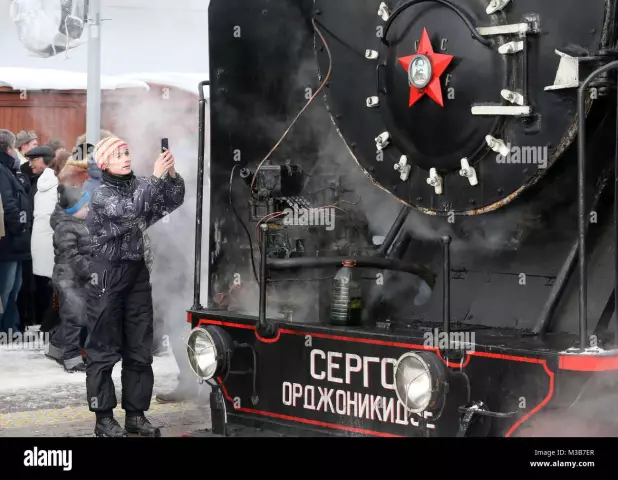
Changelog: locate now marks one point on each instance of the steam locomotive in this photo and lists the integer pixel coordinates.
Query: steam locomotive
(401, 194)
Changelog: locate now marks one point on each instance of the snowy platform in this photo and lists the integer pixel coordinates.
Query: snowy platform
(38, 398)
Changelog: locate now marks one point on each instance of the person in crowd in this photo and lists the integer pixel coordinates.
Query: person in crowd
(72, 248)
(2, 235)
(2, 232)
(15, 245)
(39, 158)
(24, 142)
(62, 157)
(51, 319)
(74, 173)
(42, 234)
(57, 145)
(120, 311)
(83, 151)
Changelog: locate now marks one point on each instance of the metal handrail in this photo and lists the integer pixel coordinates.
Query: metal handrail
(197, 274)
(581, 174)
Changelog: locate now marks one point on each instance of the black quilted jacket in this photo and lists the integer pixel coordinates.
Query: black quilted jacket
(72, 248)
(122, 209)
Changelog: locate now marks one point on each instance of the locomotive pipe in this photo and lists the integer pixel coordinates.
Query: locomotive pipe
(581, 170)
(401, 247)
(446, 294)
(394, 231)
(263, 325)
(197, 274)
(361, 262)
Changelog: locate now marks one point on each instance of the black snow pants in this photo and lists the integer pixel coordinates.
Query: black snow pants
(120, 326)
(67, 342)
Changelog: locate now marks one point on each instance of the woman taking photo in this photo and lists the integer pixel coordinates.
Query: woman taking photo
(120, 312)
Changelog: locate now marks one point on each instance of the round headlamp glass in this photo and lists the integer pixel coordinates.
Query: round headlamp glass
(202, 353)
(413, 382)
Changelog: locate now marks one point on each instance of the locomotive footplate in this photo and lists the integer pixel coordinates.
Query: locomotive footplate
(322, 380)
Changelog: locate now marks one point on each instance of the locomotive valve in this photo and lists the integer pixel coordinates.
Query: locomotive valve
(435, 181)
(511, 47)
(468, 171)
(497, 145)
(382, 141)
(403, 167)
(384, 11)
(512, 97)
(373, 101)
(496, 5)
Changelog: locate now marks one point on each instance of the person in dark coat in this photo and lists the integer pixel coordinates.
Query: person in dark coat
(15, 245)
(72, 249)
(120, 310)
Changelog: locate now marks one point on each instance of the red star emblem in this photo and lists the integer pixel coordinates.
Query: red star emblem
(438, 61)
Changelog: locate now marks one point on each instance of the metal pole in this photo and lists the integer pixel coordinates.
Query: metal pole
(615, 322)
(93, 98)
(446, 294)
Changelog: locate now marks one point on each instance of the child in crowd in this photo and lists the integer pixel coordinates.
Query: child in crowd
(72, 248)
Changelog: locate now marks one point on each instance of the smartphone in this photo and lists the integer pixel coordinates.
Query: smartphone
(164, 145)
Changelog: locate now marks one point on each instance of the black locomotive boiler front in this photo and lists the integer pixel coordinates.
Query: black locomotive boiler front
(448, 129)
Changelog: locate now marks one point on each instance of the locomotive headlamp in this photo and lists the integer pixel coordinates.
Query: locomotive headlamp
(209, 349)
(420, 381)
(419, 72)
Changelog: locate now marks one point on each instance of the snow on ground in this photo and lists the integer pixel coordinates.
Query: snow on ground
(31, 381)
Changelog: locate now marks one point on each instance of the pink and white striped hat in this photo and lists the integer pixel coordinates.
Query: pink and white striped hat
(105, 150)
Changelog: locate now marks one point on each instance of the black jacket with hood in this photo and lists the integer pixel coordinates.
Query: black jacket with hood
(72, 248)
(18, 209)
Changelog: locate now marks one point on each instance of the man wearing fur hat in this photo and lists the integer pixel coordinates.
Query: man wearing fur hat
(24, 142)
(120, 310)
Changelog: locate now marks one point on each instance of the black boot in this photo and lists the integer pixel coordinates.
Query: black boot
(108, 427)
(139, 425)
